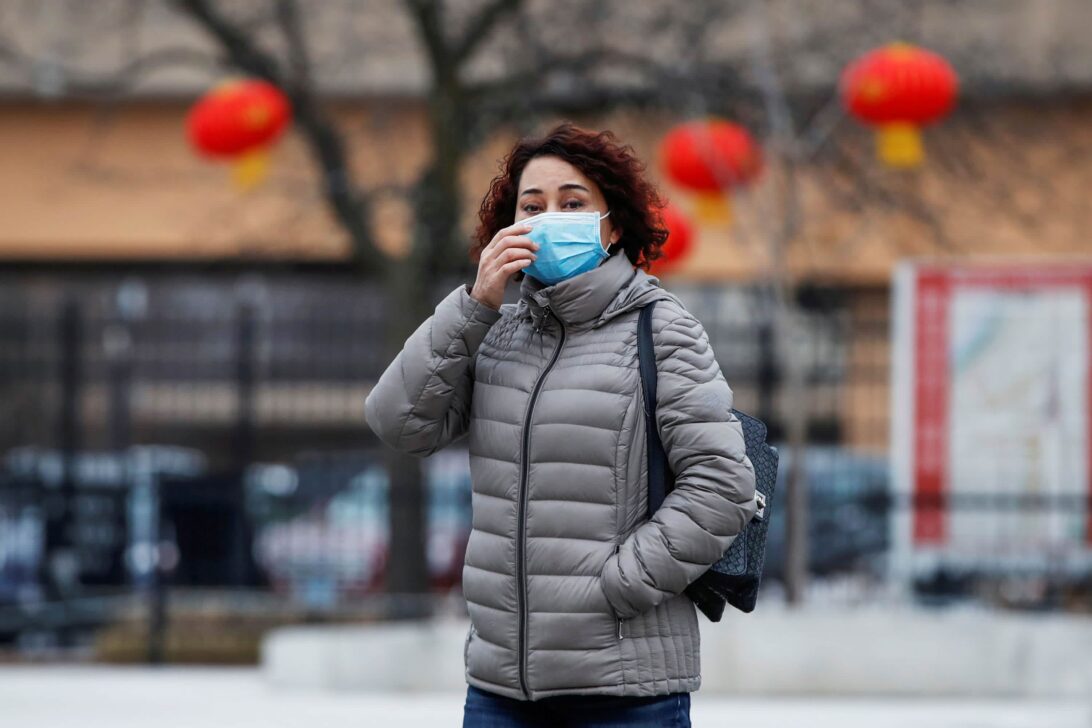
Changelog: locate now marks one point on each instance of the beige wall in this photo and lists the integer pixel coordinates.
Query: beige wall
(80, 184)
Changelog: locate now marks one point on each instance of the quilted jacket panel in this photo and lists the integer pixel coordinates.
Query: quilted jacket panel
(571, 589)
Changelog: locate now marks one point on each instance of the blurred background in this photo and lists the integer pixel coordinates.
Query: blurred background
(220, 219)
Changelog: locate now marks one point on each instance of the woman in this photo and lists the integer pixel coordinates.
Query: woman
(577, 611)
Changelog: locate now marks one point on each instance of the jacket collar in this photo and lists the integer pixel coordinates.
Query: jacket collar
(612, 287)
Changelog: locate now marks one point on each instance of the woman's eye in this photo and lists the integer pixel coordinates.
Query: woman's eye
(574, 204)
(530, 208)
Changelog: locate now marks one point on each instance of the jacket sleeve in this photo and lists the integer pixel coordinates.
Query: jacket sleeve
(714, 494)
(421, 402)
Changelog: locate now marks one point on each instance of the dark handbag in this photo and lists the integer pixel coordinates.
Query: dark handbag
(735, 578)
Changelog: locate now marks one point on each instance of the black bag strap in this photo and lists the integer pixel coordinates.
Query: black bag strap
(660, 479)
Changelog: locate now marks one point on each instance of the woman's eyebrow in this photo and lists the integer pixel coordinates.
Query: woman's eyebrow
(567, 186)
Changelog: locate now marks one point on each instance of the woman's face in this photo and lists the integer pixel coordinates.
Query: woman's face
(550, 184)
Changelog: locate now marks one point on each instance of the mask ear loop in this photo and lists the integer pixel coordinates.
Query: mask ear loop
(613, 247)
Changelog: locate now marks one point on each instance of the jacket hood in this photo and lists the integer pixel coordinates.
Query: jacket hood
(593, 297)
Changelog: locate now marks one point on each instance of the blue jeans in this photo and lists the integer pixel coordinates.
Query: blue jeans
(487, 710)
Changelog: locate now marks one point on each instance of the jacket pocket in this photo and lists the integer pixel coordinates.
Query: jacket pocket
(466, 645)
(610, 607)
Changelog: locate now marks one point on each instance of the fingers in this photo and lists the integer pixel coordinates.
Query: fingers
(509, 268)
(514, 252)
(516, 229)
(514, 241)
(504, 263)
(506, 254)
(505, 249)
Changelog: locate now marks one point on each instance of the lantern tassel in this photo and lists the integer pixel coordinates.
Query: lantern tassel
(713, 208)
(250, 169)
(899, 145)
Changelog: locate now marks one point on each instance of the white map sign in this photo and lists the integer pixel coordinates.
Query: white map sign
(992, 393)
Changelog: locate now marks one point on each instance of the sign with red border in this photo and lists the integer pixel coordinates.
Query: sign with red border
(957, 352)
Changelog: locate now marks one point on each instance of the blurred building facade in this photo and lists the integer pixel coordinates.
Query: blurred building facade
(145, 302)
(106, 180)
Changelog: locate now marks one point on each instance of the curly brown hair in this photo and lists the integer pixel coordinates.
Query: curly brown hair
(634, 202)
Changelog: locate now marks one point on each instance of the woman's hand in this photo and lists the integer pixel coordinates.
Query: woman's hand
(508, 252)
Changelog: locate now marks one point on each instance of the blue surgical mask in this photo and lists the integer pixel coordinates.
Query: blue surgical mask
(568, 245)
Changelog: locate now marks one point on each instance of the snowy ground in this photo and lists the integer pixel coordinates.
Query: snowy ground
(108, 697)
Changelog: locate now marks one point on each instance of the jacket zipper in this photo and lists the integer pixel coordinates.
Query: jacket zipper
(521, 594)
(617, 548)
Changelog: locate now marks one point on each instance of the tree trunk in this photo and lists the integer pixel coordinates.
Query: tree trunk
(407, 297)
(797, 414)
(437, 256)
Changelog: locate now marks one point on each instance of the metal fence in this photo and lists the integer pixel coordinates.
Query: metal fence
(208, 432)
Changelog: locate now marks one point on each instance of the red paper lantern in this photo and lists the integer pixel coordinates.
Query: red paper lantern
(679, 240)
(899, 88)
(237, 118)
(710, 156)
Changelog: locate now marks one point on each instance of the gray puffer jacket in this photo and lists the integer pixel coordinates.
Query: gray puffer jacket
(571, 589)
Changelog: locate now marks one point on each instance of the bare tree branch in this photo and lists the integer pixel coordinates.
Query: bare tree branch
(428, 17)
(324, 139)
(114, 83)
(243, 52)
(480, 27)
(291, 24)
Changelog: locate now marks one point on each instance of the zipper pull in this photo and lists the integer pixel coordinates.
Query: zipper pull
(620, 635)
(542, 319)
